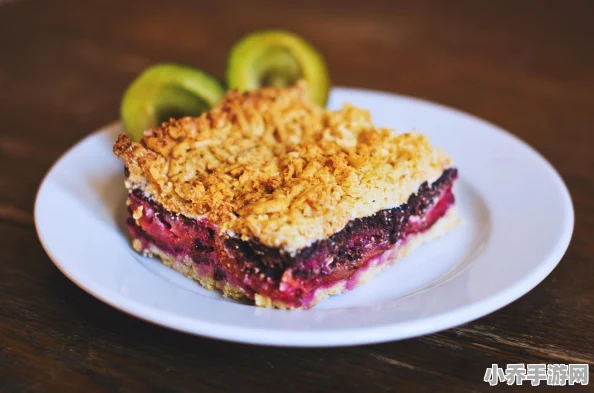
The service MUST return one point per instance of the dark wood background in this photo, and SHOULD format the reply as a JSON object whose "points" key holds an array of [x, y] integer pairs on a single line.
{"points": [[527, 65]]}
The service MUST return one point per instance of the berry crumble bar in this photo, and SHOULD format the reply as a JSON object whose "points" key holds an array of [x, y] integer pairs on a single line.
{"points": [[272, 198]]}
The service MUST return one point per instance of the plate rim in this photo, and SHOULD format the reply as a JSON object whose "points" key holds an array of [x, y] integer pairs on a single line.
{"points": [[337, 336]]}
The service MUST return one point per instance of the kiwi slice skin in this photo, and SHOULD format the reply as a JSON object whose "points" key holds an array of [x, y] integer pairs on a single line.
{"points": [[277, 58], [167, 90]]}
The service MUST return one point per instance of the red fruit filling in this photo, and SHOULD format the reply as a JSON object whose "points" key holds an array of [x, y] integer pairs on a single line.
{"points": [[271, 272]]}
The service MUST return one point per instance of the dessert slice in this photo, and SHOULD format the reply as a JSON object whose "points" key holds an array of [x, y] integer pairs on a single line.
{"points": [[272, 198]]}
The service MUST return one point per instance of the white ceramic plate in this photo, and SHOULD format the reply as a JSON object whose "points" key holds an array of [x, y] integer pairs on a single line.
{"points": [[518, 220]]}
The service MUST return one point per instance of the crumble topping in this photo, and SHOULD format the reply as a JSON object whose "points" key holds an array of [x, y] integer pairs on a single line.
{"points": [[270, 165]]}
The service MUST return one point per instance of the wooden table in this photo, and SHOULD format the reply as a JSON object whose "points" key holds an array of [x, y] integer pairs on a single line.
{"points": [[525, 65]]}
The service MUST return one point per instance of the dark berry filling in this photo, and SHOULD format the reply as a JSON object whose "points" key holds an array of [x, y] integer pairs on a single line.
{"points": [[271, 272]]}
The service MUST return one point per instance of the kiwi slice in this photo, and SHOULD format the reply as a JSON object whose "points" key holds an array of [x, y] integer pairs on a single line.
{"points": [[277, 58], [164, 91]]}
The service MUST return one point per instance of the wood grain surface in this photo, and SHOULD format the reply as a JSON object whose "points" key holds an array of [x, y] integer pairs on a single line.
{"points": [[526, 65]]}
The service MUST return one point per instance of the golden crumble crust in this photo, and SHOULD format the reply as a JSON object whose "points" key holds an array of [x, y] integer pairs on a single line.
{"points": [[270, 165]]}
